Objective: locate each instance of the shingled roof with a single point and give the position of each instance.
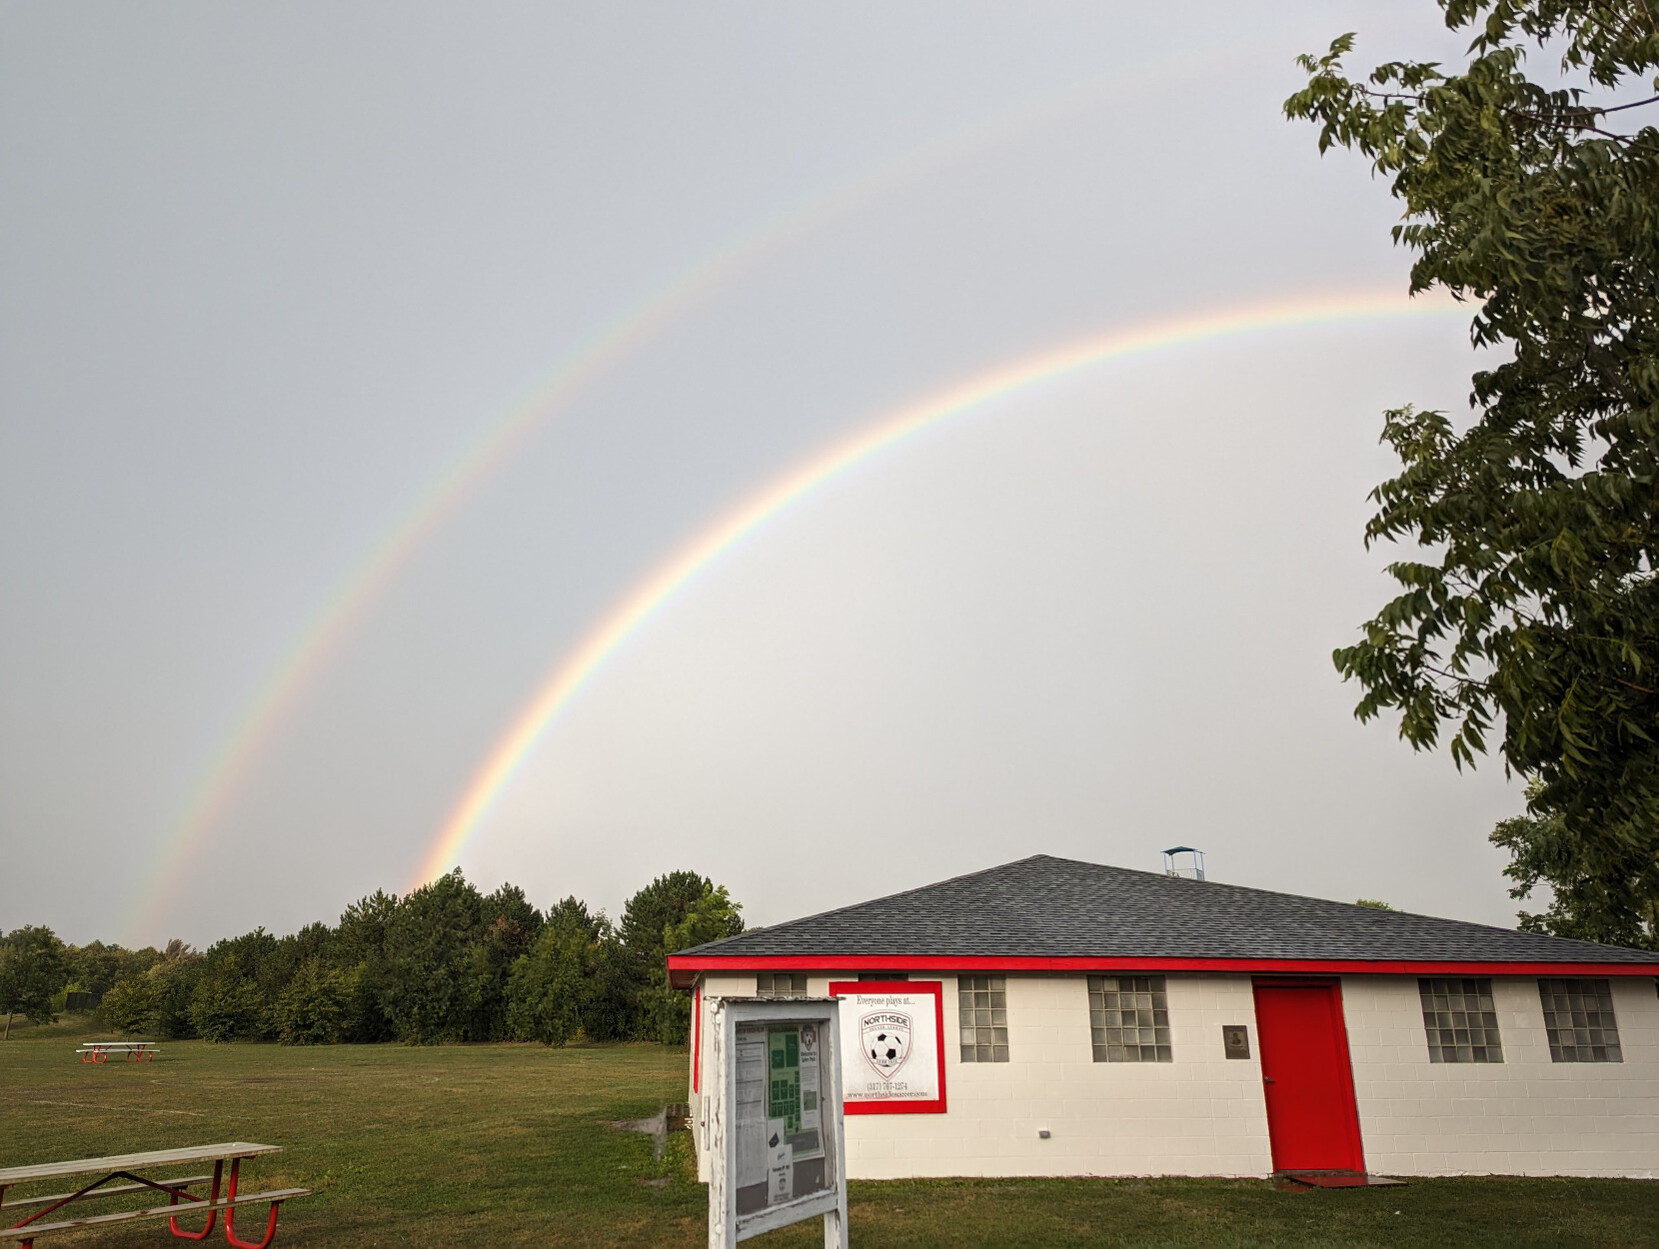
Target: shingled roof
(1044, 908)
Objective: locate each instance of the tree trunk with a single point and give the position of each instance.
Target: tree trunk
(8, 1035)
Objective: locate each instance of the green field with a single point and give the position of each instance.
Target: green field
(508, 1145)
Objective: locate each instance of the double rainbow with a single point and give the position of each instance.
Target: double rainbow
(575, 669)
(362, 586)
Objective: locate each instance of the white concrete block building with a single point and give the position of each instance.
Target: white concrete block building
(1052, 1017)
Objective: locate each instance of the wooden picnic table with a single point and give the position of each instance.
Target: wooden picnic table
(124, 1167)
(135, 1051)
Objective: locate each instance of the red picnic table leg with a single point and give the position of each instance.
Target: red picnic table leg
(230, 1215)
(218, 1168)
(27, 1244)
(92, 1188)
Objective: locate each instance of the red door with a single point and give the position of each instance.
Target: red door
(1311, 1119)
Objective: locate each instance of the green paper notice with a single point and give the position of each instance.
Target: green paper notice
(784, 1077)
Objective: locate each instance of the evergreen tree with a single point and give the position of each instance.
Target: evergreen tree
(429, 960)
(360, 953)
(510, 926)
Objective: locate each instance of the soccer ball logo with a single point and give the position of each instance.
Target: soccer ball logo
(886, 1037)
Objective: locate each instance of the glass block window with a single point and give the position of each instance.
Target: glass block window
(781, 984)
(1129, 1019)
(984, 1018)
(1460, 1019)
(1578, 1015)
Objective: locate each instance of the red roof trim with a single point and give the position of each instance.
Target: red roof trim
(683, 968)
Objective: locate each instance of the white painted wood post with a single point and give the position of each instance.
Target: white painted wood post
(835, 1227)
(835, 1221)
(722, 1189)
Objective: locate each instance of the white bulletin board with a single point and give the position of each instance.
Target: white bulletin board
(777, 1152)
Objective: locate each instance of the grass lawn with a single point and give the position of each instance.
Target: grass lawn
(507, 1145)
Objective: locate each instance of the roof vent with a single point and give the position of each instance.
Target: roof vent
(1185, 862)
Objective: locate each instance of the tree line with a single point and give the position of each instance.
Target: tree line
(445, 962)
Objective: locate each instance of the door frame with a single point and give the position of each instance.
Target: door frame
(1345, 1066)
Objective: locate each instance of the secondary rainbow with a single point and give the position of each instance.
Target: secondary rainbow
(357, 591)
(575, 669)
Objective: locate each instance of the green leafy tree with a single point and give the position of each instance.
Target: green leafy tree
(33, 970)
(315, 1006)
(1533, 599)
(158, 997)
(711, 917)
(553, 988)
(227, 1003)
(510, 927)
(137, 962)
(172, 989)
(94, 968)
(1541, 849)
(130, 1006)
(429, 966)
(314, 942)
(613, 1012)
(239, 980)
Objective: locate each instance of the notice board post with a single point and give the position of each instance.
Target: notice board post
(777, 1151)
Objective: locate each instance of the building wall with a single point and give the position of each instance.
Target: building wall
(1204, 1114)
(710, 988)
(1199, 1115)
(1526, 1115)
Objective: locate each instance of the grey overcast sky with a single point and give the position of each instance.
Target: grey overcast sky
(268, 273)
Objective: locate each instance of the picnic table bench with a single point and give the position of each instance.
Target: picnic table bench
(135, 1051)
(123, 1167)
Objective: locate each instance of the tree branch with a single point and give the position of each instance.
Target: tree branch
(1537, 119)
(1631, 685)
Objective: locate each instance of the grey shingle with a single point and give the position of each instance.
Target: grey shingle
(1044, 907)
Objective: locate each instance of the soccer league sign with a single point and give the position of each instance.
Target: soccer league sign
(892, 1042)
(886, 1037)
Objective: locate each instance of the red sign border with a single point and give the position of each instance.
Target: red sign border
(900, 1106)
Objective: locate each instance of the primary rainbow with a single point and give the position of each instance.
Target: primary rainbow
(297, 670)
(574, 669)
